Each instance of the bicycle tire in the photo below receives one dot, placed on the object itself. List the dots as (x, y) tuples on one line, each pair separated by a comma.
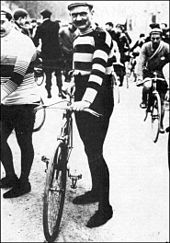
[(39, 79), (54, 193), (155, 117), (40, 116)]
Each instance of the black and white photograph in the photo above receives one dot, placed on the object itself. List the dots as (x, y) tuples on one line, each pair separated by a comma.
[(84, 121)]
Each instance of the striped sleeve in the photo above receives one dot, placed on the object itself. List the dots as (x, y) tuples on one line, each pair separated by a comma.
[(25, 56), (101, 62)]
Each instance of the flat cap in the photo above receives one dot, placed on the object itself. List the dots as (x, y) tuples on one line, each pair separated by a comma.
[(156, 30), (46, 13), (78, 4), (19, 12)]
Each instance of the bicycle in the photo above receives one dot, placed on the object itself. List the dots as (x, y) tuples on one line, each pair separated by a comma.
[(57, 171), (130, 68), (40, 116), (154, 106)]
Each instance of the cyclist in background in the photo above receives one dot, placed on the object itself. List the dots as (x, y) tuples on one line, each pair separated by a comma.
[(152, 58), (19, 96)]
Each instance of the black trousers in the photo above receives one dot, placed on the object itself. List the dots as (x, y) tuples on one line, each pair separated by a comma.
[(50, 66), (93, 131), (19, 118)]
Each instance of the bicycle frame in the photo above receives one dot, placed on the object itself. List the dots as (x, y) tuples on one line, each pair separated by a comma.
[(153, 90), (154, 106)]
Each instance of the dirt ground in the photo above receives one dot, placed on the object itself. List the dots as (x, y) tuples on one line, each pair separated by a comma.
[(139, 181)]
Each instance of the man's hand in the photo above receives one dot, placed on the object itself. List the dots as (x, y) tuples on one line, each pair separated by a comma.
[(80, 105)]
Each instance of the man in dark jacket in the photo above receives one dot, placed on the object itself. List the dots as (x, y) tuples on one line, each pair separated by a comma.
[(47, 32)]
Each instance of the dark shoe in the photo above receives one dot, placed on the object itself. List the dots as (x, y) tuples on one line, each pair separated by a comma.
[(100, 217), (88, 197), (143, 105), (18, 190), (8, 182)]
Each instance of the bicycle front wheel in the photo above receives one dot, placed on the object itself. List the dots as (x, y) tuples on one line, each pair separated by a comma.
[(54, 193), (155, 117), (40, 116)]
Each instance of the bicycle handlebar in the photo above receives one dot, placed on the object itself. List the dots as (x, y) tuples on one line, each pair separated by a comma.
[(150, 79), (67, 108)]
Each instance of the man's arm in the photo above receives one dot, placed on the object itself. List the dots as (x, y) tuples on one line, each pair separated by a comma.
[(26, 54), (100, 60), (36, 38), (142, 62)]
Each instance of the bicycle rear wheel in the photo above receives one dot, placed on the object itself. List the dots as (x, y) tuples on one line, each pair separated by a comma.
[(40, 116), (155, 117), (54, 193)]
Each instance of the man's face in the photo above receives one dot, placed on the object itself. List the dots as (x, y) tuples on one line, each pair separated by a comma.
[(5, 25), (155, 38), (21, 21), (108, 27), (81, 17), (118, 30)]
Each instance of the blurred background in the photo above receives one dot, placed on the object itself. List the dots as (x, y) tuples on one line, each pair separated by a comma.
[(135, 15)]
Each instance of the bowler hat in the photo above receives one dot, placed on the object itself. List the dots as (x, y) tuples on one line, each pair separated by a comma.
[(78, 4), (46, 13)]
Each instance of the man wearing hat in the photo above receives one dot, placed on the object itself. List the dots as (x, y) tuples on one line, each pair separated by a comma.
[(20, 16), (19, 97), (152, 58), (92, 64), (47, 32)]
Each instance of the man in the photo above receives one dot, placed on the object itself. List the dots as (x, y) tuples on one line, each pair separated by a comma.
[(67, 34), (109, 28), (92, 62), (47, 32), (124, 46), (18, 99), (152, 58), (20, 16)]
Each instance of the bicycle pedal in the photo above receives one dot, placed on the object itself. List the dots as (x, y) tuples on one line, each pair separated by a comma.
[(74, 179), (44, 159)]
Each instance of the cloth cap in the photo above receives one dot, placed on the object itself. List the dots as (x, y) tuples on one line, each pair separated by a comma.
[(6, 10), (78, 4), (46, 13), (19, 12), (155, 31)]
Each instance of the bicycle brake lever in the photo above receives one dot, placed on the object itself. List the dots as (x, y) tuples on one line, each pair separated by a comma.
[(93, 112)]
